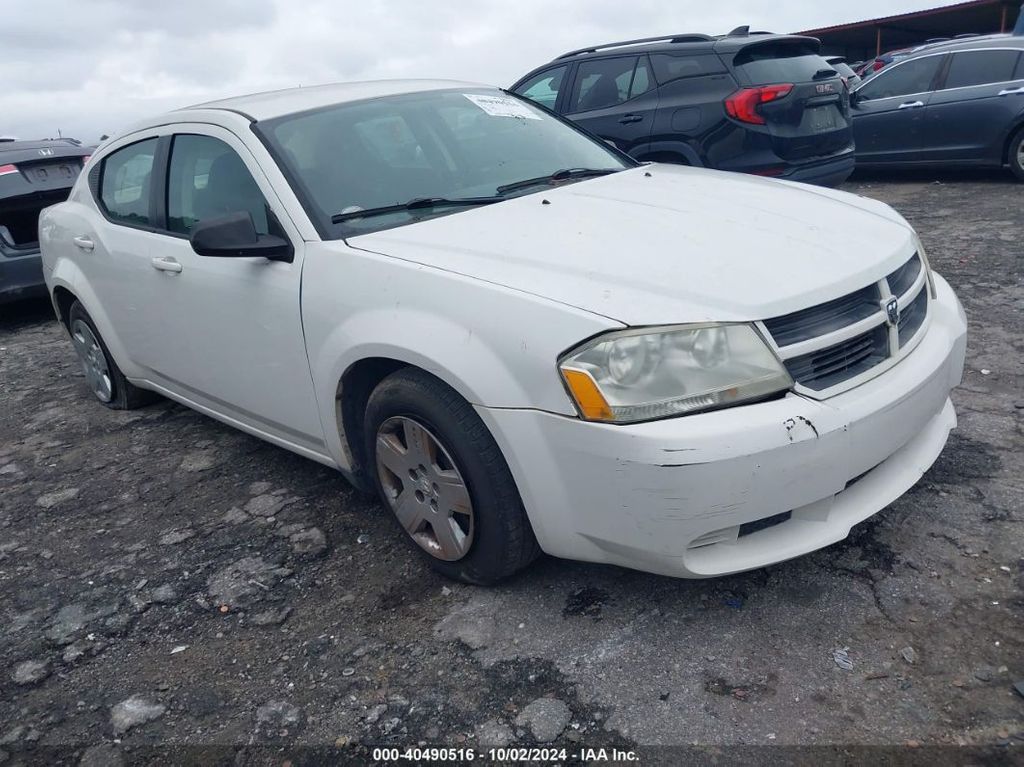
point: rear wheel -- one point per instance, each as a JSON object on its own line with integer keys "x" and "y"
{"x": 443, "y": 477}
{"x": 102, "y": 375}
{"x": 1016, "y": 155}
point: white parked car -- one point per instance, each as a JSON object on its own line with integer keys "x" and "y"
{"x": 519, "y": 337}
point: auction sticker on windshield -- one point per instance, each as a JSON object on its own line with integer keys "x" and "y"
{"x": 501, "y": 106}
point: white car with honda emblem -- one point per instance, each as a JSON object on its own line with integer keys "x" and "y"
{"x": 520, "y": 338}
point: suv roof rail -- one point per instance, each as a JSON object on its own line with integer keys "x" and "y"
{"x": 686, "y": 37}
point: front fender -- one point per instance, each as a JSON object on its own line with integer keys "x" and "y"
{"x": 496, "y": 347}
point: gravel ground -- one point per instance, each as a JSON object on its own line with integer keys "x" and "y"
{"x": 165, "y": 579}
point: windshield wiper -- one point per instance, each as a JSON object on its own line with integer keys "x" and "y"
{"x": 559, "y": 175}
{"x": 418, "y": 203}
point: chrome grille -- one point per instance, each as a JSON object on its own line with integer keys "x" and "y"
{"x": 834, "y": 364}
{"x": 824, "y": 318}
{"x": 912, "y": 317}
{"x": 903, "y": 278}
{"x": 828, "y": 347}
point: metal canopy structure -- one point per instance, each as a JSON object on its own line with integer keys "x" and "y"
{"x": 867, "y": 39}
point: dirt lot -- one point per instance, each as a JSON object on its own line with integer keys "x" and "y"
{"x": 165, "y": 579}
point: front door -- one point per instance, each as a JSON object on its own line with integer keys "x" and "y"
{"x": 967, "y": 119}
{"x": 888, "y": 111}
{"x": 226, "y": 333}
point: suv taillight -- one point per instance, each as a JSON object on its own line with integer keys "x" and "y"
{"x": 742, "y": 105}
{"x": 5, "y": 169}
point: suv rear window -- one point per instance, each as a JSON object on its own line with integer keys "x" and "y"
{"x": 781, "y": 63}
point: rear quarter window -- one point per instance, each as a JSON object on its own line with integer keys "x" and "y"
{"x": 969, "y": 68}
{"x": 789, "y": 63}
{"x": 668, "y": 67}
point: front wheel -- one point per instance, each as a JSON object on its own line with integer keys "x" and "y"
{"x": 443, "y": 477}
{"x": 1016, "y": 155}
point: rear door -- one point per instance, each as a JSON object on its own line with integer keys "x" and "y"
{"x": 967, "y": 118}
{"x": 888, "y": 110}
{"x": 811, "y": 118}
{"x": 615, "y": 99}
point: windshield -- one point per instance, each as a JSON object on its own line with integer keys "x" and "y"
{"x": 450, "y": 145}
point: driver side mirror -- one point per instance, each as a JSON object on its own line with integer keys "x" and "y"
{"x": 234, "y": 236}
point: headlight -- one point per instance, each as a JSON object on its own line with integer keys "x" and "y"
{"x": 640, "y": 375}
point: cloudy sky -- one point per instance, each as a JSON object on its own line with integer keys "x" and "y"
{"x": 87, "y": 67}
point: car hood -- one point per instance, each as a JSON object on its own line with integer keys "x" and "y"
{"x": 666, "y": 244}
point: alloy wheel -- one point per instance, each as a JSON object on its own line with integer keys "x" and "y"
{"x": 424, "y": 488}
{"x": 94, "y": 361}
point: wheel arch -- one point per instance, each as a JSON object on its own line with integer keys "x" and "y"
{"x": 67, "y": 285}
{"x": 671, "y": 151}
{"x": 1014, "y": 131}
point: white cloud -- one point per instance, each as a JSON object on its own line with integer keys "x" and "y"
{"x": 87, "y": 67}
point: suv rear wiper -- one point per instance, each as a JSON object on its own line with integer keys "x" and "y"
{"x": 824, "y": 73}
{"x": 559, "y": 175}
{"x": 417, "y": 203}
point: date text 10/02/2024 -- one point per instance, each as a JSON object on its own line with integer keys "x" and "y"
{"x": 512, "y": 754}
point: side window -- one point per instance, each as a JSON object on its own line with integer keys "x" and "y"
{"x": 544, "y": 88}
{"x": 915, "y": 76}
{"x": 979, "y": 67}
{"x": 669, "y": 67}
{"x": 1019, "y": 74}
{"x": 606, "y": 82}
{"x": 642, "y": 81}
{"x": 125, "y": 185}
{"x": 206, "y": 179}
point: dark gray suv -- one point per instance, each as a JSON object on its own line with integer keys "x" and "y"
{"x": 954, "y": 103}
{"x": 747, "y": 101}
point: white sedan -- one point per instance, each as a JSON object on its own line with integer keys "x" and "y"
{"x": 520, "y": 338}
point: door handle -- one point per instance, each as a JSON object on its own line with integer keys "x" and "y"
{"x": 631, "y": 119}
{"x": 911, "y": 105}
{"x": 166, "y": 265}
{"x": 1012, "y": 92}
{"x": 83, "y": 243}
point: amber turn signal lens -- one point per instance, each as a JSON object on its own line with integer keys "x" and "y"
{"x": 592, "y": 404}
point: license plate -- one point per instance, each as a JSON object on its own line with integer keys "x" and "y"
{"x": 51, "y": 172}
{"x": 822, "y": 118}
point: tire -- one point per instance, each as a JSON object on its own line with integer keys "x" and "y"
{"x": 1016, "y": 155}
{"x": 102, "y": 375}
{"x": 491, "y": 542}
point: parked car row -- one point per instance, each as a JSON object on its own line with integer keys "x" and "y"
{"x": 954, "y": 103}
{"x": 754, "y": 102}
{"x": 771, "y": 105}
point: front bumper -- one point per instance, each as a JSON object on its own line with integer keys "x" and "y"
{"x": 678, "y": 496}
{"x": 21, "y": 275}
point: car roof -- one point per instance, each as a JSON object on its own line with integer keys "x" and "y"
{"x": 980, "y": 42}
{"x": 270, "y": 104}
{"x": 685, "y": 43}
